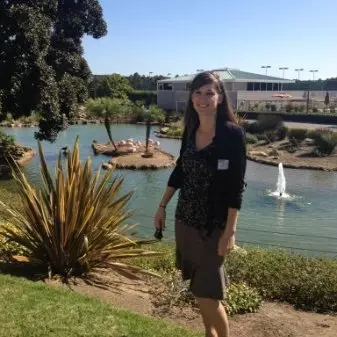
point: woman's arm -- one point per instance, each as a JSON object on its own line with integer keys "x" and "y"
{"x": 237, "y": 170}
{"x": 176, "y": 177}
{"x": 174, "y": 182}
{"x": 159, "y": 219}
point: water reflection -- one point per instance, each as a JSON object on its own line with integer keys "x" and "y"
{"x": 280, "y": 208}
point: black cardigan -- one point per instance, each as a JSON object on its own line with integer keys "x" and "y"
{"x": 228, "y": 184}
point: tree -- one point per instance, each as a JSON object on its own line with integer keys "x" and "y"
{"x": 153, "y": 114}
{"x": 41, "y": 58}
{"x": 327, "y": 99}
{"x": 114, "y": 86}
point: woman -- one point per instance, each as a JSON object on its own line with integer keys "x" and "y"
{"x": 210, "y": 175}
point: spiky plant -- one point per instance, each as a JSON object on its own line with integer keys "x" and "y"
{"x": 75, "y": 224}
{"x": 241, "y": 120}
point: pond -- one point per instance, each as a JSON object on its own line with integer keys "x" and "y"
{"x": 306, "y": 221}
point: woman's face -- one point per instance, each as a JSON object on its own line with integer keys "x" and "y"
{"x": 206, "y": 100}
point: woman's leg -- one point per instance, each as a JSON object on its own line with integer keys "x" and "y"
{"x": 214, "y": 317}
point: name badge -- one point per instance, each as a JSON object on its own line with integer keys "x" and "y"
{"x": 223, "y": 164}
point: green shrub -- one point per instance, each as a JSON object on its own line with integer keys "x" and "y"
{"x": 175, "y": 129}
{"x": 253, "y": 128}
{"x": 313, "y": 134}
{"x": 9, "y": 118}
{"x": 297, "y": 135}
{"x": 34, "y": 117}
{"x": 282, "y": 132}
{"x": 260, "y": 136}
{"x": 301, "y": 108}
{"x": 165, "y": 264}
{"x": 251, "y": 139}
{"x": 148, "y": 97}
{"x": 270, "y": 136}
{"x": 156, "y": 114}
{"x": 306, "y": 282}
{"x": 242, "y": 299}
{"x": 289, "y": 107}
{"x": 175, "y": 132}
{"x": 6, "y": 141}
{"x": 173, "y": 292}
{"x": 9, "y": 248}
{"x": 269, "y": 122}
{"x": 325, "y": 143}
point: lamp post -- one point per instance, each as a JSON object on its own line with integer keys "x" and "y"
{"x": 313, "y": 71}
{"x": 298, "y": 72}
{"x": 149, "y": 84}
{"x": 283, "y": 70}
{"x": 266, "y": 67}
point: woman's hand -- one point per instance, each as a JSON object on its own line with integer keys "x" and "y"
{"x": 226, "y": 243}
{"x": 159, "y": 219}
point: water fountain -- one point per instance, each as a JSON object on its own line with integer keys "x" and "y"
{"x": 280, "y": 191}
{"x": 281, "y": 181}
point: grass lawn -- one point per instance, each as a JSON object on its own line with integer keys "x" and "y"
{"x": 33, "y": 309}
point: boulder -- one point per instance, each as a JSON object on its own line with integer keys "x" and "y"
{"x": 258, "y": 153}
{"x": 273, "y": 152}
{"x": 309, "y": 141}
{"x": 107, "y": 166}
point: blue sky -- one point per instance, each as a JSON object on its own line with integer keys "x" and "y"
{"x": 180, "y": 36}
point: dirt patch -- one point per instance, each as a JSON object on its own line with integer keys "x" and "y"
{"x": 273, "y": 319}
{"x": 135, "y": 161}
{"x": 302, "y": 158}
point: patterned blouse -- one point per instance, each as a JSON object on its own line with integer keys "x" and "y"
{"x": 193, "y": 195}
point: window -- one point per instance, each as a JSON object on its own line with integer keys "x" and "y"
{"x": 257, "y": 86}
{"x": 250, "y": 86}
{"x": 167, "y": 86}
{"x": 275, "y": 86}
{"x": 263, "y": 86}
{"x": 269, "y": 86}
{"x": 188, "y": 86}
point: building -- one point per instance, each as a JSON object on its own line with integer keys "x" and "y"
{"x": 241, "y": 86}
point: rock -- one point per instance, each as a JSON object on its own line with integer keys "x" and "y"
{"x": 309, "y": 141}
{"x": 273, "y": 152}
{"x": 107, "y": 166}
{"x": 258, "y": 153}
{"x": 113, "y": 161}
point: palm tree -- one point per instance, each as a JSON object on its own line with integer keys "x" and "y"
{"x": 108, "y": 130}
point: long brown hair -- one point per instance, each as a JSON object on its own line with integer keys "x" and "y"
{"x": 224, "y": 111}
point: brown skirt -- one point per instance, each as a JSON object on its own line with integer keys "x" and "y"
{"x": 197, "y": 258}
